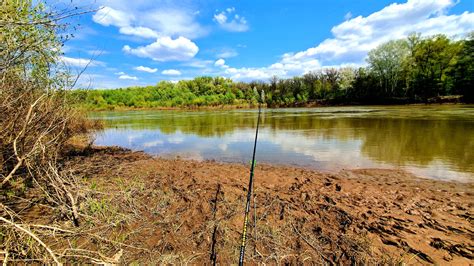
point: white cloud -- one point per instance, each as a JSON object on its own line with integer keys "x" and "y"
{"x": 80, "y": 62}
{"x": 143, "y": 32}
{"x": 166, "y": 49}
{"x": 105, "y": 81}
{"x": 283, "y": 68}
{"x": 174, "y": 22}
{"x": 198, "y": 63}
{"x": 171, "y": 72}
{"x": 220, "y": 63}
{"x": 354, "y": 38}
{"x": 146, "y": 69}
{"x": 97, "y": 52}
{"x": 171, "y": 25}
{"x": 230, "y": 21}
{"x": 220, "y": 18}
{"x": 120, "y": 73}
{"x": 227, "y": 53}
{"x": 143, "y": 19}
{"x": 107, "y": 16}
{"x": 128, "y": 77}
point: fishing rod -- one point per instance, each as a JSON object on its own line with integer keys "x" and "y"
{"x": 249, "y": 192}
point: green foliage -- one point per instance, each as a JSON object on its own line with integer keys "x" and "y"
{"x": 412, "y": 69}
{"x": 416, "y": 69}
{"x": 464, "y": 70}
{"x": 29, "y": 41}
{"x": 434, "y": 60}
{"x": 386, "y": 63}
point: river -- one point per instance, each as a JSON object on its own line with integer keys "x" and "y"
{"x": 433, "y": 141}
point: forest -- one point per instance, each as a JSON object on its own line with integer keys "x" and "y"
{"x": 411, "y": 70}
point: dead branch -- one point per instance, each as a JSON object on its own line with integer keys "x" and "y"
{"x": 28, "y": 232}
{"x": 15, "y": 141}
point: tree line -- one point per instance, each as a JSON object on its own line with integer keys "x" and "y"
{"x": 411, "y": 70}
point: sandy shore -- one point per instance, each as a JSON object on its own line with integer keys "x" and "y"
{"x": 363, "y": 215}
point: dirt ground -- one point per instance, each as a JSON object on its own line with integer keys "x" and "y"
{"x": 173, "y": 207}
{"x": 175, "y": 211}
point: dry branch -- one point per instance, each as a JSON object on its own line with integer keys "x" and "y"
{"x": 28, "y": 232}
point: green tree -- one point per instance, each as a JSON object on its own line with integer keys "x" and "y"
{"x": 464, "y": 70}
{"x": 434, "y": 61}
{"x": 386, "y": 63}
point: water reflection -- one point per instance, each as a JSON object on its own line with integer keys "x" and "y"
{"x": 433, "y": 141}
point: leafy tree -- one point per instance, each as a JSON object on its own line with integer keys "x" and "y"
{"x": 434, "y": 63}
{"x": 386, "y": 62}
{"x": 464, "y": 70}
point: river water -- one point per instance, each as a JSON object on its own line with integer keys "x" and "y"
{"x": 435, "y": 141}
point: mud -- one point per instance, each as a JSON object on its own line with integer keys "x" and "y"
{"x": 179, "y": 211}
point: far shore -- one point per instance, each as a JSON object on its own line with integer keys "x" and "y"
{"x": 255, "y": 106}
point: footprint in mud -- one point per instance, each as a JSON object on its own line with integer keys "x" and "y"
{"x": 329, "y": 200}
{"x": 458, "y": 249}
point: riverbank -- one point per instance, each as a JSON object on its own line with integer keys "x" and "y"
{"x": 440, "y": 100}
{"x": 162, "y": 211}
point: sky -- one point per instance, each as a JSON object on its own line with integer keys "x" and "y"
{"x": 142, "y": 42}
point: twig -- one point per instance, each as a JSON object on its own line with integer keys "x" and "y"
{"x": 51, "y": 253}
{"x": 5, "y": 259}
{"x": 51, "y": 228}
{"x": 75, "y": 213}
{"x": 20, "y": 134}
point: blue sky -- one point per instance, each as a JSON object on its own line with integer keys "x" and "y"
{"x": 142, "y": 42}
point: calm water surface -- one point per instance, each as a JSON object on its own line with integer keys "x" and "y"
{"x": 430, "y": 141}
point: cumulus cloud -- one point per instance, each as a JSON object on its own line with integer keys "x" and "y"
{"x": 80, "y": 62}
{"x": 166, "y": 49}
{"x": 107, "y": 16}
{"x": 146, "y": 69}
{"x": 170, "y": 25}
{"x": 220, "y": 62}
{"x": 230, "y": 21}
{"x": 171, "y": 72}
{"x": 174, "y": 22}
{"x": 355, "y": 37}
{"x": 128, "y": 77}
{"x": 143, "y": 20}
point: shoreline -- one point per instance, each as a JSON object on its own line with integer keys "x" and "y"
{"x": 252, "y": 107}
{"x": 361, "y": 215}
{"x": 468, "y": 178}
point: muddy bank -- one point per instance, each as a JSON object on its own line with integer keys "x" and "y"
{"x": 366, "y": 215}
